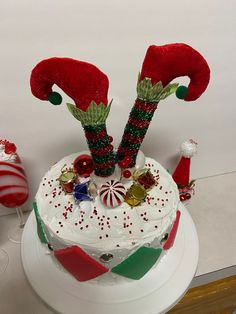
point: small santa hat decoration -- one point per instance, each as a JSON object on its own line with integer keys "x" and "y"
{"x": 182, "y": 172}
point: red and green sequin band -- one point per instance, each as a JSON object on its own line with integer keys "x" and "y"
{"x": 136, "y": 129}
{"x": 101, "y": 149}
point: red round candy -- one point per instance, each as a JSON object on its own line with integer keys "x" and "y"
{"x": 83, "y": 165}
{"x": 126, "y": 174}
{"x": 110, "y": 138}
{"x": 10, "y": 148}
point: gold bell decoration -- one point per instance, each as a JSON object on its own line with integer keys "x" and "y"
{"x": 135, "y": 195}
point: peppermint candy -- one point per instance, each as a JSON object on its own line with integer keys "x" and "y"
{"x": 13, "y": 182}
{"x": 112, "y": 193}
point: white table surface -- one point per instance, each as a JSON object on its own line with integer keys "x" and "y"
{"x": 213, "y": 211}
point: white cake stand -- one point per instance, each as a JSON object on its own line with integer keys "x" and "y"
{"x": 158, "y": 291}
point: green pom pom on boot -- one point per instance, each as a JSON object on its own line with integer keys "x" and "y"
{"x": 181, "y": 92}
{"x": 55, "y": 98}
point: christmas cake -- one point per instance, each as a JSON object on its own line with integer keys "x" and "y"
{"x": 107, "y": 211}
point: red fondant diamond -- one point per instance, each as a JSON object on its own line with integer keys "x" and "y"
{"x": 82, "y": 266}
{"x": 171, "y": 238}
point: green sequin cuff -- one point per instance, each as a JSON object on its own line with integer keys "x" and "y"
{"x": 147, "y": 92}
{"x": 95, "y": 114}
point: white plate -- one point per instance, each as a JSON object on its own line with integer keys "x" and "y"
{"x": 156, "y": 292}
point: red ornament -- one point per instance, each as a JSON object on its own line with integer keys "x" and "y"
{"x": 10, "y": 148}
{"x": 110, "y": 138}
{"x": 126, "y": 174}
{"x": 83, "y": 165}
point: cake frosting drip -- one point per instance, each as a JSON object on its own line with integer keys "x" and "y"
{"x": 92, "y": 224}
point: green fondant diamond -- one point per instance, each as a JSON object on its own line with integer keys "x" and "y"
{"x": 41, "y": 233}
{"x": 139, "y": 263}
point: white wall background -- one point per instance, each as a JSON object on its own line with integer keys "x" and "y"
{"x": 114, "y": 35}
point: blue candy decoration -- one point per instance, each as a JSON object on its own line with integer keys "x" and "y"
{"x": 81, "y": 192}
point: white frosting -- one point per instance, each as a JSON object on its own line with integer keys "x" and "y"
{"x": 95, "y": 226}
